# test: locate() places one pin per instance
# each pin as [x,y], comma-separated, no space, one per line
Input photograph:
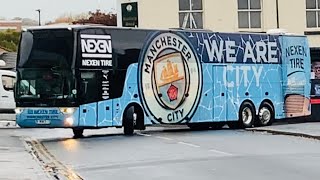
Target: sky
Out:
[51,9]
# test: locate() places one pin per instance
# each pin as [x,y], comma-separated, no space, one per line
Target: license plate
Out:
[43,122]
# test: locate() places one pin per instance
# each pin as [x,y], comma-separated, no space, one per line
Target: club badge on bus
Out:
[168,67]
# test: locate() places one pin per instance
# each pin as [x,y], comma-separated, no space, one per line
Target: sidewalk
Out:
[309,130]
[8,121]
[15,161]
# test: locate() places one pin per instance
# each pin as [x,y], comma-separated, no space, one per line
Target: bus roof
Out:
[91,26]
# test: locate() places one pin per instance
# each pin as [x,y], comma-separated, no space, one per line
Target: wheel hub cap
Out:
[265,115]
[247,115]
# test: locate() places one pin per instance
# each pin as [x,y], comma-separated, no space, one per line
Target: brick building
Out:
[12,25]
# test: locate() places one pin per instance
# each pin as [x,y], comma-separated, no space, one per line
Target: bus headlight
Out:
[18,110]
[69,121]
[68,110]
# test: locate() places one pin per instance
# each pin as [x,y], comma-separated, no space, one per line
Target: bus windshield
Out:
[44,68]
[44,84]
[46,49]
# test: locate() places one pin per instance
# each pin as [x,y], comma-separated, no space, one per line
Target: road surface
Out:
[182,154]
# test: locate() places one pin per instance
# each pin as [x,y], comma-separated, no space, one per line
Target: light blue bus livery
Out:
[89,77]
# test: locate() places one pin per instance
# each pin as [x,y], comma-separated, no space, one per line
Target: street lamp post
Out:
[39,16]
[277,10]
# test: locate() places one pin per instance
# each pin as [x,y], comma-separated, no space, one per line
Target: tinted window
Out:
[126,47]
[45,84]
[90,86]
[46,49]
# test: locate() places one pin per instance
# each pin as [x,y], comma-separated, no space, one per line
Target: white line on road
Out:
[141,134]
[188,144]
[220,152]
[165,138]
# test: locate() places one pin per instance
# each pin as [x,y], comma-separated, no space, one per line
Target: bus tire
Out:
[128,121]
[247,115]
[77,132]
[265,115]
[139,123]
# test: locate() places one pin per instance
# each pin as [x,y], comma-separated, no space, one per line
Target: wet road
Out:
[184,154]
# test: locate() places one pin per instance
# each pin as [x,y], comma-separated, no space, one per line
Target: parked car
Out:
[7,103]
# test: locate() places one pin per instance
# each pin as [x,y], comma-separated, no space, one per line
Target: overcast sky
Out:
[51,9]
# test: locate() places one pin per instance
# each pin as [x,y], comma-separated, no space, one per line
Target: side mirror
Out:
[2,63]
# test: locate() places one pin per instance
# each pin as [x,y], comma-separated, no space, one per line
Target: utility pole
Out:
[277,9]
[39,11]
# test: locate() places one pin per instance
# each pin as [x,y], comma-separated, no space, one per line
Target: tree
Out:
[9,39]
[99,17]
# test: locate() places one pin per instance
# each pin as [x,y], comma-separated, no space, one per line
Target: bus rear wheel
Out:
[130,117]
[266,115]
[77,132]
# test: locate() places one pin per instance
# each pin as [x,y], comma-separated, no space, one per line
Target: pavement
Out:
[15,160]
[19,162]
[307,130]
[8,121]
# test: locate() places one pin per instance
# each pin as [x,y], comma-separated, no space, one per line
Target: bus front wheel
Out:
[77,132]
[129,121]
[246,119]
[247,115]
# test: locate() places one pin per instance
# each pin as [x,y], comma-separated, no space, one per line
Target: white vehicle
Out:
[7,103]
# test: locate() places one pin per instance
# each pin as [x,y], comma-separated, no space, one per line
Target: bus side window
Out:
[89,86]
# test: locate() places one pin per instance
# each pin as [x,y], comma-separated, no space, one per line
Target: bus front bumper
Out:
[47,117]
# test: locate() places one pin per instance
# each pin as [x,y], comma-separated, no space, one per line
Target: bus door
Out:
[89,97]
[219,93]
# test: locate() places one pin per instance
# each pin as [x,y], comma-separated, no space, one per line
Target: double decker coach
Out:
[87,77]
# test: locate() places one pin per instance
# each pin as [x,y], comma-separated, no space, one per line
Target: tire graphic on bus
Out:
[171,78]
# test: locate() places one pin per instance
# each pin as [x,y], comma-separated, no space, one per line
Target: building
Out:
[295,16]
[11,25]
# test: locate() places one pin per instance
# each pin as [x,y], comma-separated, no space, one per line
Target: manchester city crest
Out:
[171,79]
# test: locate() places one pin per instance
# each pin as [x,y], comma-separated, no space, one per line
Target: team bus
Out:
[87,77]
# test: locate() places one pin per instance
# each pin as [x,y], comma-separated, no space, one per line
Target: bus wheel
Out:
[247,115]
[266,115]
[129,121]
[77,132]
[139,122]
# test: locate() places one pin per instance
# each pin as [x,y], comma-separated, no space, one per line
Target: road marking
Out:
[188,144]
[165,138]
[141,134]
[49,163]
[221,152]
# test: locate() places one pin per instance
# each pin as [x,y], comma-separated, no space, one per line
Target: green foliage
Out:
[9,40]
